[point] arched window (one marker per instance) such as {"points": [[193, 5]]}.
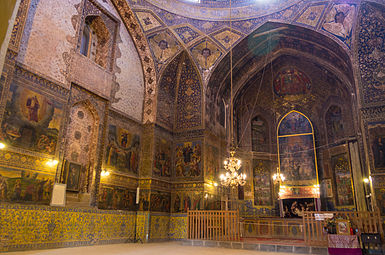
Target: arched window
{"points": [[259, 134], [95, 40], [297, 157]]}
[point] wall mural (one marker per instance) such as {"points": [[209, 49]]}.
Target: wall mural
{"points": [[187, 200], [31, 120], [262, 182], [339, 22], [334, 123], [371, 52], [297, 159], [259, 135], [162, 161], [212, 162], [188, 159], [25, 186], [342, 175], [379, 189], [291, 83], [160, 201], [164, 46], [377, 144], [117, 198], [122, 150], [206, 53]]}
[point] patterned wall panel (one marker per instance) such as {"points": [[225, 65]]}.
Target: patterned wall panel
{"points": [[33, 227], [159, 227], [178, 227]]}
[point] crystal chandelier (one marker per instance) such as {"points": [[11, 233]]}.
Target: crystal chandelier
{"points": [[232, 164]]}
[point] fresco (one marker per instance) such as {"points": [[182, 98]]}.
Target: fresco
{"points": [[371, 52], [334, 123], [341, 169], [294, 123], [162, 161], [160, 201], [164, 46], [262, 182], [294, 208], [186, 33], [188, 159], [189, 97], [187, 200], [147, 20], [25, 186], [291, 83], [377, 144], [259, 135], [339, 22], [122, 150], [117, 198], [31, 120], [379, 189], [212, 162], [206, 53], [311, 15], [296, 155]]}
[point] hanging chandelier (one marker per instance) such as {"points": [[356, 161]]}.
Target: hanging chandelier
{"points": [[232, 164]]}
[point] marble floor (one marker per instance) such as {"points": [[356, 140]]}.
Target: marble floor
{"points": [[169, 248]]}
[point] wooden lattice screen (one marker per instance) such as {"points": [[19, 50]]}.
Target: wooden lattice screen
{"points": [[314, 233], [213, 225]]}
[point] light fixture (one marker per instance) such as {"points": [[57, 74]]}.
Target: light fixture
{"points": [[366, 180], [232, 164], [2, 146], [105, 173], [52, 162], [278, 177]]}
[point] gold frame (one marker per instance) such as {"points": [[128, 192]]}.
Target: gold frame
{"points": [[347, 225]]}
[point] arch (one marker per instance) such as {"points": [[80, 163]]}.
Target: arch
{"points": [[297, 159]]}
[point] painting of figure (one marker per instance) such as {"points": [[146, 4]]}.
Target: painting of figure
{"points": [[212, 162], [290, 82], [160, 201], [114, 198], [297, 158], [259, 134], [23, 186], [262, 182], [294, 208], [123, 149], [343, 180], [73, 174], [162, 161], [339, 21], [164, 46], [377, 145], [294, 123], [334, 123], [188, 159], [31, 120], [206, 54]]}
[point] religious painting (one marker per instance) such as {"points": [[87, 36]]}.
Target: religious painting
{"points": [[114, 198], [334, 123], [160, 201], [259, 134], [187, 200], [206, 54], [163, 45], [377, 144], [144, 200], [31, 120], [262, 182], [380, 196], [212, 162], [188, 159], [297, 160], [294, 123], [339, 22], [343, 227], [343, 180], [25, 186], [122, 150], [162, 161], [291, 83], [294, 208], [73, 173]]}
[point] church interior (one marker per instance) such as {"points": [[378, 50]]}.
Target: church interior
{"points": [[183, 120]]}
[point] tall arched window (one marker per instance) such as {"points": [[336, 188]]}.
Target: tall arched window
{"points": [[259, 134], [297, 157]]}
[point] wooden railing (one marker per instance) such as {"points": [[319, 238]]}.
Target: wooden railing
{"points": [[314, 222], [213, 225], [272, 227]]}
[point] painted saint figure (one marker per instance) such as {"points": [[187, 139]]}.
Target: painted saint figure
{"points": [[33, 108]]}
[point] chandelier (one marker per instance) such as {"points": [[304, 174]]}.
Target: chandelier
{"points": [[232, 164]]}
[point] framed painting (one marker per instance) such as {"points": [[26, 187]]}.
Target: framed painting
{"points": [[343, 227], [73, 172]]}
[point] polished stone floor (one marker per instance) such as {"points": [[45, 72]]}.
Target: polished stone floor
{"points": [[169, 248]]}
